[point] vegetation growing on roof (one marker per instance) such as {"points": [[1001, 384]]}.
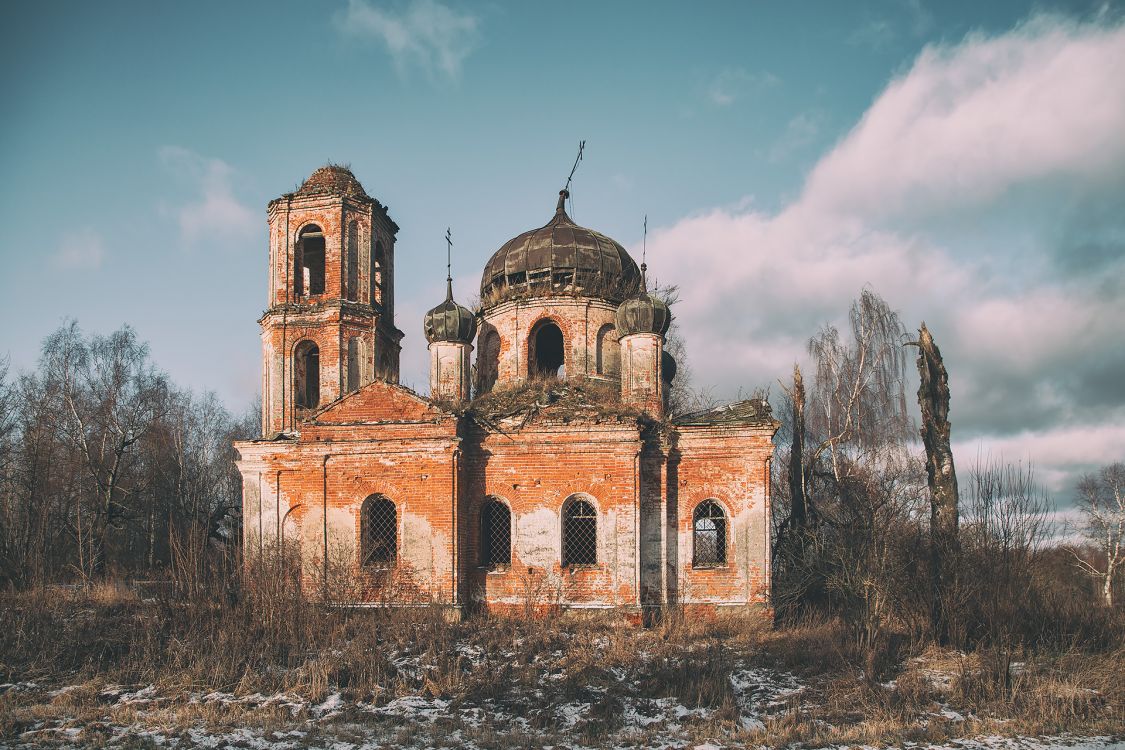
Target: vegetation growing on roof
{"points": [[573, 400]]}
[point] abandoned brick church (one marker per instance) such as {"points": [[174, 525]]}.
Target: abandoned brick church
{"points": [[542, 471]]}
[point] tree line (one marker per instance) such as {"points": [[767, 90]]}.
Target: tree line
{"points": [[108, 469]]}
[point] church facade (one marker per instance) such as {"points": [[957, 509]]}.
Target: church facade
{"points": [[542, 471]]}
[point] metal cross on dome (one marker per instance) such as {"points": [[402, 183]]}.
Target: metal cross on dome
{"points": [[581, 148], [448, 263]]}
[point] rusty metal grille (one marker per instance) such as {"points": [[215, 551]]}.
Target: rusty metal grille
{"points": [[379, 532], [580, 534], [495, 534], [709, 537]]}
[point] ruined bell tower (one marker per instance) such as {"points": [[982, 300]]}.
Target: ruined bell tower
{"points": [[329, 328]]}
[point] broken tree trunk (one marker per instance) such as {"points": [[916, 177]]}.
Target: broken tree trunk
{"points": [[933, 398], [798, 512]]}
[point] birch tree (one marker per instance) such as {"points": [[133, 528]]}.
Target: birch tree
{"points": [[1101, 498]]}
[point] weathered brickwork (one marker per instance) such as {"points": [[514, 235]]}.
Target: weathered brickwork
{"points": [[533, 502], [579, 319]]}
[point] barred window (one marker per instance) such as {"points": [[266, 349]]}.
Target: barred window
{"points": [[709, 534], [378, 522], [580, 534], [495, 534]]}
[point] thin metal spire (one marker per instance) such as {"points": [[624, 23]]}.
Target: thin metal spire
{"points": [[448, 265], [644, 254]]}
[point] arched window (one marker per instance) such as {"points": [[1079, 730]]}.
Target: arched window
{"points": [[709, 534], [309, 278], [378, 272], [352, 280], [579, 534], [488, 361], [547, 349], [378, 532], [355, 358], [306, 375], [495, 534], [609, 351]]}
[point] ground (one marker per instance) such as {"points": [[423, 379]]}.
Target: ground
{"points": [[370, 680]]}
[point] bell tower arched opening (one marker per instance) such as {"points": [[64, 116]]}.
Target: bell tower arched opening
{"points": [[309, 279], [547, 352], [306, 375]]}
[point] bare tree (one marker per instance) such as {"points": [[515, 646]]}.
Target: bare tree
{"points": [[110, 397], [859, 400], [1101, 498], [933, 398], [1003, 532], [850, 469]]}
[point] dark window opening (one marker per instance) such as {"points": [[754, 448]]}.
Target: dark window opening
{"points": [[547, 356], [495, 534], [488, 362], [352, 282], [378, 273], [515, 279], [378, 521], [309, 278], [306, 375], [580, 534], [564, 278], [709, 534]]}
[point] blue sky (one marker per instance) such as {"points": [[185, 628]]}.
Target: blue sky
{"points": [[786, 154]]}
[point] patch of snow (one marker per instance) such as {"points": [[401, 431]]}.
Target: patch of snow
{"points": [[17, 687], [144, 695], [331, 706], [571, 713]]}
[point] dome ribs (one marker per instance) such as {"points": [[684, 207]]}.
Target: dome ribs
{"points": [[559, 258]]}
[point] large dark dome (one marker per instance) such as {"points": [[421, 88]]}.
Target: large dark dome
{"points": [[560, 258]]}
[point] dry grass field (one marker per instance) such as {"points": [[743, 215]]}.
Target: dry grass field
{"points": [[106, 668]]}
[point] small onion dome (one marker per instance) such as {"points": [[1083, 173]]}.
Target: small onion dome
{"points": [[643, 313], [667, 367], [450, 321]]}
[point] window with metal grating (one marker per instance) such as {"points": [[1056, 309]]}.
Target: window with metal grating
{"points": [[709, 534], [378, 532], [495, 534], [580, 534]]}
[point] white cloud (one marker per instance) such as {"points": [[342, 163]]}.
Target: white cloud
{"points": [[423, 33], [1034, 357], [80, 250], [732, 84], [968, 122], [1053, 453], [214, 211]]}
